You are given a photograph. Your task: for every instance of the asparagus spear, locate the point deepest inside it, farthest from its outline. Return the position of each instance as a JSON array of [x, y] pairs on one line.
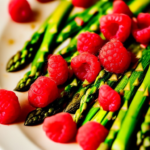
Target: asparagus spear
[[145, 130], [50, 35], [90, 94], [75, 102], [124, 136], [92, 26], [39, 114], [25, 56], [84, 17]]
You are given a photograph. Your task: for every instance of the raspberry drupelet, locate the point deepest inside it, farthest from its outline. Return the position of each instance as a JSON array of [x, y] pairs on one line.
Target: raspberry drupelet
[[86, 66], [42, 92], [9, 107], [60, 128]]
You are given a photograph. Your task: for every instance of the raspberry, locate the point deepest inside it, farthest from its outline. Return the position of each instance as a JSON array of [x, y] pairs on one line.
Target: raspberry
[[116, 26], [121, 7], [90, 135], [42, 92], [58, 69], [20, 10], [60, 128], [83, 3], [141, 28], [9, 107], [89, 42], [114, 57], [86, 66], [109, 99]]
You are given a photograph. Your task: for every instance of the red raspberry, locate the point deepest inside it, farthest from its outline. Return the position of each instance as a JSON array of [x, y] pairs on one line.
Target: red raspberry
[[90, 135], [141, 28], [60, 128], [114, 57], [20, 10], [9, 107], [86, 66], [109, 99], [121, 7], [42, 92], [116, 26], [89, 42], [58, 69], [83, 3]]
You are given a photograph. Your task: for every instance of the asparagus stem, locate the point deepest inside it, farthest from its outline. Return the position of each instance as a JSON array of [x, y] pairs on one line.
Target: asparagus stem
[[95, 108], [25, 56], [99, 116], [74, 27], [138, 6], [50, 35], [90, 94], [38, 115], [92, 26], [75, 102], [124, 136]]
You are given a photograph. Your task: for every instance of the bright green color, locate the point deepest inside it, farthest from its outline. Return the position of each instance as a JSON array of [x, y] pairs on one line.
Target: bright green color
[[124, 137]]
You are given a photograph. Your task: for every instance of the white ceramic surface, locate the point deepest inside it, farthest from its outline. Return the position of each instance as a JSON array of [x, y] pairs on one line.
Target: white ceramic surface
[[12, 37]]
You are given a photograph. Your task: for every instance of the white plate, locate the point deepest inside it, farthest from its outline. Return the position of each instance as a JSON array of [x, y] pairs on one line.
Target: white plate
[[12, 37]]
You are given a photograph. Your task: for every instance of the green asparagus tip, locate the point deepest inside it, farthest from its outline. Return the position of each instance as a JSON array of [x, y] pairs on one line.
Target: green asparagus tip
[[22, 88]]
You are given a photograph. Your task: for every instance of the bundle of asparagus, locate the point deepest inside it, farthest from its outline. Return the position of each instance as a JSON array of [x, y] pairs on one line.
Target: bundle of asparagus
[[124, 136], [129, 91]]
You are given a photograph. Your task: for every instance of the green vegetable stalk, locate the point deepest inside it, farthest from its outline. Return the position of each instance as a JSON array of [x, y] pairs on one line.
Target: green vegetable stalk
[[124, 137], [74, 26], [47, 45], [92, 26], [25, 56]]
